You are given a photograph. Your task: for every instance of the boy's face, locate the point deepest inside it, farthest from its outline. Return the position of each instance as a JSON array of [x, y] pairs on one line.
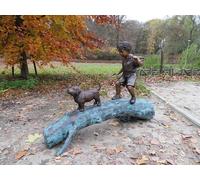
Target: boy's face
[[123, 53]]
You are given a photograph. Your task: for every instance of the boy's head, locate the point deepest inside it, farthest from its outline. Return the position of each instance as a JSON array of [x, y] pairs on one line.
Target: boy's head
[[124, 48]]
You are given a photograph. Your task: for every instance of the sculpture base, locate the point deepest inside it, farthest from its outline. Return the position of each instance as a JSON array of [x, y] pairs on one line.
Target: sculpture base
[[67, 126]]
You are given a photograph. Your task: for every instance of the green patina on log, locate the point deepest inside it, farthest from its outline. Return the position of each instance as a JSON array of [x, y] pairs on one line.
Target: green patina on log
[[66, 127]]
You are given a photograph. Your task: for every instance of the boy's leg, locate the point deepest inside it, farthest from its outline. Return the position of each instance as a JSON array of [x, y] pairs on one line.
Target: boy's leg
[[130, 86], [132, 92], [118, 91]]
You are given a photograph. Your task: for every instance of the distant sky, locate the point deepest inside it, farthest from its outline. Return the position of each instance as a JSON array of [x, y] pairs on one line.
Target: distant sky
[[145, 17]]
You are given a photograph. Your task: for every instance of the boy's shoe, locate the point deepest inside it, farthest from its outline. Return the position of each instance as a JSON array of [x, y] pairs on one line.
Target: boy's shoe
[[116, 97], [132, 100]]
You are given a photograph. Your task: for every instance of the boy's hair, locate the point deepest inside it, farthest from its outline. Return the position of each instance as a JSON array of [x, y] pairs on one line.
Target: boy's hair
[[126, 46]]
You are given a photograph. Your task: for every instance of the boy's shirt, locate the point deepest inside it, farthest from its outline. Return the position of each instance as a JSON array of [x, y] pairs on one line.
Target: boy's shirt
[[129, 66]]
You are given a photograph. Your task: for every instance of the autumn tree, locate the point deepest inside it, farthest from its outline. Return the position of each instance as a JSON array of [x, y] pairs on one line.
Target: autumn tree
[[43, 39], [156, 33]]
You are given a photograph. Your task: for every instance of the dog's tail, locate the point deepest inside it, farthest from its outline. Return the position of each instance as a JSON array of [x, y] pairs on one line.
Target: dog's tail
[[99, 87]]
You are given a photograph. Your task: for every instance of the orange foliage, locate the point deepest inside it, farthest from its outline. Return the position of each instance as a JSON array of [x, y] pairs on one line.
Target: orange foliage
[[47, 38]]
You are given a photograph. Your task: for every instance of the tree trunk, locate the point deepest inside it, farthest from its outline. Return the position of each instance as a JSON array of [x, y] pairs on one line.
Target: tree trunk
[[68, 125], [24, 66], [13, 71], [23, 59], [35, 68]]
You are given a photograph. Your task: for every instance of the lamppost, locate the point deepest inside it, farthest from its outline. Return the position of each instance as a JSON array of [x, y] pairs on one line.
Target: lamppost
[[187, 53], [161, 55]]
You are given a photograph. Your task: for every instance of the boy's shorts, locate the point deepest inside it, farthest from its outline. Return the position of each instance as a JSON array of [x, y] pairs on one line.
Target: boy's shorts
[[130, 81]]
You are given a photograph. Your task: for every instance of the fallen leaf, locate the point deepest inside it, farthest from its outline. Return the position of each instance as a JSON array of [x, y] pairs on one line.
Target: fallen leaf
[[76, 151], [173, 117], [152, 153], [33, 137], [155, 142], [119, 149], [134, 157], [162, 150], [162, 161], [193, 140], [186, 137], [98, 147], [65, 154], [182, 153], [165, 125], [21, 154], [196, 150], [58, 158], [169, 161], [110, 151], [143, 160], [96, 133], [114, 123]]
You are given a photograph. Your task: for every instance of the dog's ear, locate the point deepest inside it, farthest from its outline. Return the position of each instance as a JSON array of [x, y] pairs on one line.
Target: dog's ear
[[77, 90]]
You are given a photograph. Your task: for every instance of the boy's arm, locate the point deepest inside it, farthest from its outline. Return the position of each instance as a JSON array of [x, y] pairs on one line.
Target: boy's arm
[[121, 70]]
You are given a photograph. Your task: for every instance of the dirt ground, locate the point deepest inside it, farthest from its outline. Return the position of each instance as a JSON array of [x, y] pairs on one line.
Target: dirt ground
[[166, 139]]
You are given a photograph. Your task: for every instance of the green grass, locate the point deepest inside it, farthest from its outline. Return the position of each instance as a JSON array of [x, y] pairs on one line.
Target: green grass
[[48, 75], [90, 73], [61, 70], [18, 84]]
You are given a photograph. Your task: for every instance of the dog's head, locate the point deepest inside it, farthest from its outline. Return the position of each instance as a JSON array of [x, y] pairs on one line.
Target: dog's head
[[74, 91]]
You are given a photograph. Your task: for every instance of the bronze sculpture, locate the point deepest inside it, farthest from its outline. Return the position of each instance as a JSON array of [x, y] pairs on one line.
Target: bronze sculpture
[[81, 97], [129, 65]]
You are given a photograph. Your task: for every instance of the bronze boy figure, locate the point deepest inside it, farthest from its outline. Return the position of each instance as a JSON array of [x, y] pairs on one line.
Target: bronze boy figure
[[129, 65]]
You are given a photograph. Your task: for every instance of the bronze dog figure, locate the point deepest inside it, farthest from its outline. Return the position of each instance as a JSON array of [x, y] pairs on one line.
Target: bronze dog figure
[[81, 97]]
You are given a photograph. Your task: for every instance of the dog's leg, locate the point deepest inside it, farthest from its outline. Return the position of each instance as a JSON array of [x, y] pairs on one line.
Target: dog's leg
[[81, 107], [97, 101]]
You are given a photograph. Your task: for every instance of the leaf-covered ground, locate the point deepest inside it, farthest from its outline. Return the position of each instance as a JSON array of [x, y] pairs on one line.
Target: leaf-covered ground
[[166, 139]]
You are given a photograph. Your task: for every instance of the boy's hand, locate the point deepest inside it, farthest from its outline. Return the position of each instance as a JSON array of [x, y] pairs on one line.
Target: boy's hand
[[117, 75], [139, 60]]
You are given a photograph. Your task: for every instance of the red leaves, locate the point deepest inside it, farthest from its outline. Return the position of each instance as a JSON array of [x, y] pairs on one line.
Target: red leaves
[[48, 38], [103, 19]]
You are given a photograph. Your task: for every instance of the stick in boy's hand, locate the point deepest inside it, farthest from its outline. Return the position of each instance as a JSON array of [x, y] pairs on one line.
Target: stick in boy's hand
[[117, 75]]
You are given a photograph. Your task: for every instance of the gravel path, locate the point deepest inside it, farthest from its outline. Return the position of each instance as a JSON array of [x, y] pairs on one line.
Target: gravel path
[[185, 95]]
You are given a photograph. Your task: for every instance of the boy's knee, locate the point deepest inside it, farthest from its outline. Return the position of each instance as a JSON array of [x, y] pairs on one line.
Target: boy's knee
[[129, 87]]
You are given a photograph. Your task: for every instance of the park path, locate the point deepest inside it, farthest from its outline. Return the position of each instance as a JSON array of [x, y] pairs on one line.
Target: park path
[[166, 139], [183, 94]]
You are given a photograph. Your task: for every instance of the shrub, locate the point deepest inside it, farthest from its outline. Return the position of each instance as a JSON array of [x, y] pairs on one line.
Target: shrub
[[190, 57], [104, 54], [152, 61], [18, 84]]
